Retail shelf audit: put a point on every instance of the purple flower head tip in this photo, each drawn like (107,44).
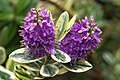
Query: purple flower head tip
(38,32)
(82,39)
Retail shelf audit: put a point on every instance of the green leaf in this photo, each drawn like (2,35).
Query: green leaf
(117,69)
(49,70)
(2,55)
(61,57)
(6,74)
(21,5)
(81,66)
(23,56)
(22,74)
(10,64)
(6,16)
(5,7)
(109,58)
(62,70)
(117,55)
(7,34)
(68,28)
(34,66)
(61,24)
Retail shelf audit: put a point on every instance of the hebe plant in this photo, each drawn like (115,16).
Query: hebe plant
(50,49)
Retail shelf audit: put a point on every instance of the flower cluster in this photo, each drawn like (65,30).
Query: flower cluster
(38,32)
(82,39)
(39,37)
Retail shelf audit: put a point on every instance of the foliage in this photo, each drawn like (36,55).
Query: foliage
(28,63)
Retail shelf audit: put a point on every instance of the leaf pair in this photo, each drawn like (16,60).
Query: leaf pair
(61,57)
(63,25)
(23,56)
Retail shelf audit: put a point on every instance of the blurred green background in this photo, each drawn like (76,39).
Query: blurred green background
(105,60)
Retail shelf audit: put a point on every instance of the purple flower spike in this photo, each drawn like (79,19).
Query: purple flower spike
(38,32)
(82,39)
